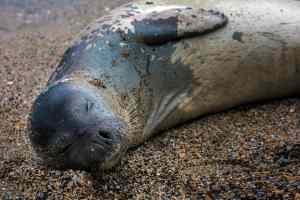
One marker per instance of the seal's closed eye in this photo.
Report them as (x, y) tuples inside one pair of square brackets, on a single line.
[(174, 23)]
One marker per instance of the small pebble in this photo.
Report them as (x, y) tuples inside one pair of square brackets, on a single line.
[(41, 196)]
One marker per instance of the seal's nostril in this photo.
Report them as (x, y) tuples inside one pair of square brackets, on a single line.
[(105, 135)]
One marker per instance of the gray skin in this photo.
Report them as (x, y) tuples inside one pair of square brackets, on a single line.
[(150, 66)]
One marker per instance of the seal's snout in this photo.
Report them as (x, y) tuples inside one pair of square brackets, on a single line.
[(71, 127)]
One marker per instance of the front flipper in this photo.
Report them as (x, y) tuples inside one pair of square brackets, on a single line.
[(165, 24)]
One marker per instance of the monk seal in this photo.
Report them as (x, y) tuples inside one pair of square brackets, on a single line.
[(149, 66)]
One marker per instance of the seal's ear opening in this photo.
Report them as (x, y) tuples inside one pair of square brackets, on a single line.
[(71, 127)]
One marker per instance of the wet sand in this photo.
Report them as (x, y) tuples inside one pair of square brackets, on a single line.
[(251, 152)]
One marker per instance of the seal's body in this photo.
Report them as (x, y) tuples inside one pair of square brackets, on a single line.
[(149, 66)]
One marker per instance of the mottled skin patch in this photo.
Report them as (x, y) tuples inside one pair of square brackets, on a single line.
[(155, 66)]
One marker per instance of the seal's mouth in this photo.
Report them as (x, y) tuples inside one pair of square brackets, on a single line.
[(94, 149), (72, 128)]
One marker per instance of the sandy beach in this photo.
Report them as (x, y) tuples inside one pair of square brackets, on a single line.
[(250, 152)]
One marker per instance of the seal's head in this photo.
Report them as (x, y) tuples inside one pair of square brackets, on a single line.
[(72, 127)]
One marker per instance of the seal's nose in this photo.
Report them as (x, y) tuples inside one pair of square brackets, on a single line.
[(72, 127)]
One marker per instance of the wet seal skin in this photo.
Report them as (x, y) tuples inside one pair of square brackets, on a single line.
[(147, 67)]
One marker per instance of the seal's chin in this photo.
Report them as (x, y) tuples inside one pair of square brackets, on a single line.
[(71, 127)]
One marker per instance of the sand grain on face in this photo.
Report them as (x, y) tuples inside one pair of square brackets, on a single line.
[(251, 152)]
